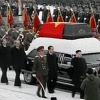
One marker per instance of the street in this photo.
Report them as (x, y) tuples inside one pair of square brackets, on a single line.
[(28, 92)]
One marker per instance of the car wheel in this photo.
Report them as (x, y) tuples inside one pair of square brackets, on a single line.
[(29, 79)]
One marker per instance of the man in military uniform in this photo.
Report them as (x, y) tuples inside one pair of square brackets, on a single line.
[(40, 67)]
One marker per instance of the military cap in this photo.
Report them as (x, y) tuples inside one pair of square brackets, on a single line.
[(40, 48)]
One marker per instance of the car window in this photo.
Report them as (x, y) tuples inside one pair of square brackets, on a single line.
[(92, 58), (32, 54), (64, 58)]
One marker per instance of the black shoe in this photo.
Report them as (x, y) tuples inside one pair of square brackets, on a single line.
[(19, 86), (73, 95), (81, 97), (51, 91), (7, 83), (44, 97), (38, 95)]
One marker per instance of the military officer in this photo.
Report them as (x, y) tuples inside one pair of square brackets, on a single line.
[(40, 67)]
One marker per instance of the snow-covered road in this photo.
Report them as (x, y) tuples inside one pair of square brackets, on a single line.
[(28, 92)]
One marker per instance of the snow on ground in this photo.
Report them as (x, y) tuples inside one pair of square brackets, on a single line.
[(28, 92)]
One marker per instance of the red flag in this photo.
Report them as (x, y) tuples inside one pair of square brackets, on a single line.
[(1, 19), (73, 17), (52, 30), (60, 17), (49, 17), (26, 18), (93, 24), (36, 22), (10, 17)]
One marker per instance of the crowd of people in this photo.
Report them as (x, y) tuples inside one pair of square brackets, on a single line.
[(82, 10), (84, 79), (46, 69), (45, 66), (13, 44), (14, 56), (4, 5)]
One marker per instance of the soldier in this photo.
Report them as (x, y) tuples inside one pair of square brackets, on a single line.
[(55, 13), (64, 13), (40, 67), (68, 13), (44, 14)]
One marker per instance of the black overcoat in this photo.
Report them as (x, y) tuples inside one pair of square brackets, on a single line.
[(52, 61), (79, 69), (5, 56), (18, 58)]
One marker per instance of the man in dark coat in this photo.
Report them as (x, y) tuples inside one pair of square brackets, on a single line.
[(91, 86), (4, 60), (18, 61), (41, 69), (52, 61), (79, 70)]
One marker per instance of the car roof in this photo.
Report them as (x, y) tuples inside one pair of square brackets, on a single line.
[(86, 45)]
